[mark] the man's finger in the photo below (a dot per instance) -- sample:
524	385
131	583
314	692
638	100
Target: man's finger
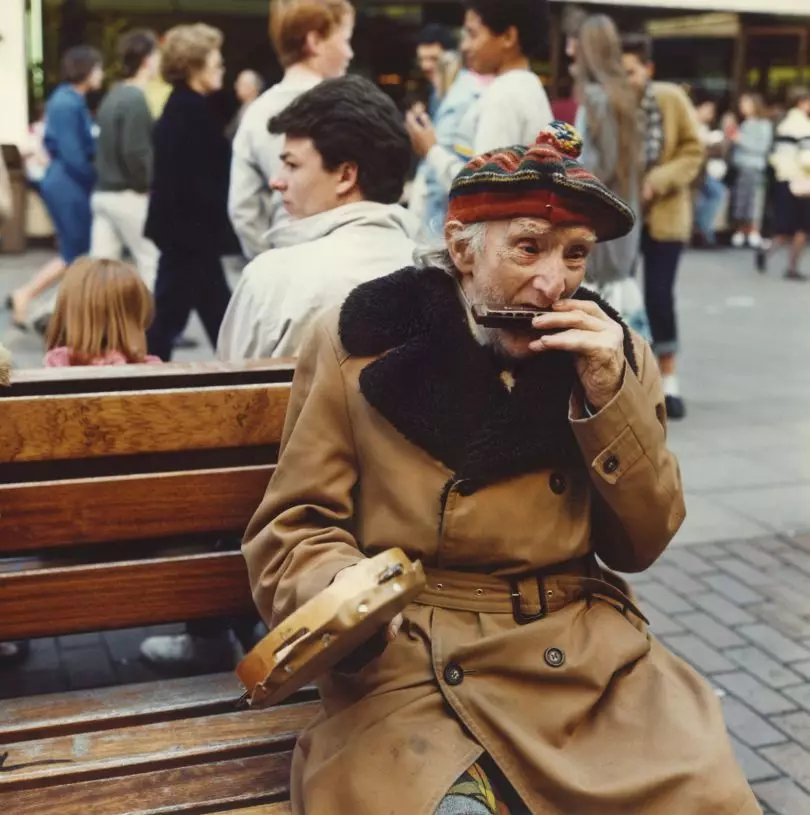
393	628
569	319
575	340
588	306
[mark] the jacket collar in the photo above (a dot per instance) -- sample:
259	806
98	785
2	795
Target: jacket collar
445	392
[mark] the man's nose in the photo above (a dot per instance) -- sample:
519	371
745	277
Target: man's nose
278	184
550	281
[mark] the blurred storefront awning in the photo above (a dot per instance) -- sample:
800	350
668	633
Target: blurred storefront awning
799	8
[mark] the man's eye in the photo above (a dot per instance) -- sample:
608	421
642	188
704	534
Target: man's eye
579	252
530	247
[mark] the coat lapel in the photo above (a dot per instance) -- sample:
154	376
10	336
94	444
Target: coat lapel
444	392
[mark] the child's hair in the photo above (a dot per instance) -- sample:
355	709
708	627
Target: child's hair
103	306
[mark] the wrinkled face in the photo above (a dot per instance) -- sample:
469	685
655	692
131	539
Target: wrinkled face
428	56
524	262
306	186
638	72
483	49
209	77
334	53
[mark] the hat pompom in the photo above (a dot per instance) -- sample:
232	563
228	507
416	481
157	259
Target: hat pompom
563	138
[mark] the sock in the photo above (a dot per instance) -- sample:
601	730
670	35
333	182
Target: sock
671	388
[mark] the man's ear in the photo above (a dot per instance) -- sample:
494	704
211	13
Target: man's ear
511	38
462	255
346	179
313	43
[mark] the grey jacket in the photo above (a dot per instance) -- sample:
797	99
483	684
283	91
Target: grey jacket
752	150
615	260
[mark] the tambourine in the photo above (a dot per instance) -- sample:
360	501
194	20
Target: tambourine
324	631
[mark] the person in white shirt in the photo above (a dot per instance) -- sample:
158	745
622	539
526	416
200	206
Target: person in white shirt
345	156
500	37
312	40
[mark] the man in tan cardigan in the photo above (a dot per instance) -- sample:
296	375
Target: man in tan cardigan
674	156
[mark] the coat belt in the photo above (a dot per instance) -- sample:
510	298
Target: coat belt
528	597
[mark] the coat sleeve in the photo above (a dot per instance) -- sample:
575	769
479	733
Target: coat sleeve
70	141
301	535
136	143
687	159
638	503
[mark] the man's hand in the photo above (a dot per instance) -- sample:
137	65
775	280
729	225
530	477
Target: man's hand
420	129
596	341
647	192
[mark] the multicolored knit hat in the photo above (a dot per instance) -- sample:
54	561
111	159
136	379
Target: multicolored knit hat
544	180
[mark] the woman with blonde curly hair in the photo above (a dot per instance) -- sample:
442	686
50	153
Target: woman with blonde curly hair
188	219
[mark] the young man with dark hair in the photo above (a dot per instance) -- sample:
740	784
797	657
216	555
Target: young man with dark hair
312	40
435	40
345	155
124	160
500	37
673	156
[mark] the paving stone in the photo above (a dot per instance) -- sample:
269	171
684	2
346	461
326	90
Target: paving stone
660	623
803	668
80	640
800	694
751	691
687	562
754	555
749	574
696	652
44	655
782	619
794	599
723	609
125	644
754	766
750	727
783	796
791	759
801	560
708	629
662	598
763	666
711	551
732	589
770	640
790	577
29	683
674	578
797	726
88	668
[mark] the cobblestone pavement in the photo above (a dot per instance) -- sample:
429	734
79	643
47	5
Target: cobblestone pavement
731	594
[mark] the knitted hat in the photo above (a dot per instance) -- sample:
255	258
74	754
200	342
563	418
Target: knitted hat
544	180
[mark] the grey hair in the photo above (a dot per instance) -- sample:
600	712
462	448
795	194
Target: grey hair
438	255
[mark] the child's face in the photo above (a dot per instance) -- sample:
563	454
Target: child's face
747	107
638	72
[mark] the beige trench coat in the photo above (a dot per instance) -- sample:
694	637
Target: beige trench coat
621	727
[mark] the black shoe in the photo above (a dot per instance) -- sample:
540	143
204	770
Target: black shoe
761	260
793	274
676	409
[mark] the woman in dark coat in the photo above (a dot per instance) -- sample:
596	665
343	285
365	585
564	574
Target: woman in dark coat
188	219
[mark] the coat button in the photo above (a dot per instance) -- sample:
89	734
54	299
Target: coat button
557	483
453	674
610	464
554	657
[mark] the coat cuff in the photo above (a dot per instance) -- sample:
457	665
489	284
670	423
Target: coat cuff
616	437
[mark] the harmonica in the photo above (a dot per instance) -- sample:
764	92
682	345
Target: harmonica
517	317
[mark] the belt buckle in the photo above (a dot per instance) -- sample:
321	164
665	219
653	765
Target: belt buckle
521	617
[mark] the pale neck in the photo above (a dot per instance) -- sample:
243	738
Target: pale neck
140	80
303	71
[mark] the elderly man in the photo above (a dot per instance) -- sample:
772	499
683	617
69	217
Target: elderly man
524	678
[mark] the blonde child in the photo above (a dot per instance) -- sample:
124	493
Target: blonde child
101	316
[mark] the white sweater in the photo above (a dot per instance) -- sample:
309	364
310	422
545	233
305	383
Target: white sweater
512	110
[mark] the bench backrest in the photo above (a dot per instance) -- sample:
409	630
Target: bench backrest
117	491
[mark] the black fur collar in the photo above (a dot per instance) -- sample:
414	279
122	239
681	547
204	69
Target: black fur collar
443	391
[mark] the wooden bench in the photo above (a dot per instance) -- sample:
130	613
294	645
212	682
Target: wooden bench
115	486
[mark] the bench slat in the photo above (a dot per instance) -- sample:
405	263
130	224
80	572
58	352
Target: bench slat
96	597
281	808
160	746
55	714
65	427
244	781
102	510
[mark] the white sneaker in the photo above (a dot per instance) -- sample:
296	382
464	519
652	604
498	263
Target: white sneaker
183	650
755	240
738	240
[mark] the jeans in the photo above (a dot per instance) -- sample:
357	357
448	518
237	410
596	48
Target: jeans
661	260
186	282
710	199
